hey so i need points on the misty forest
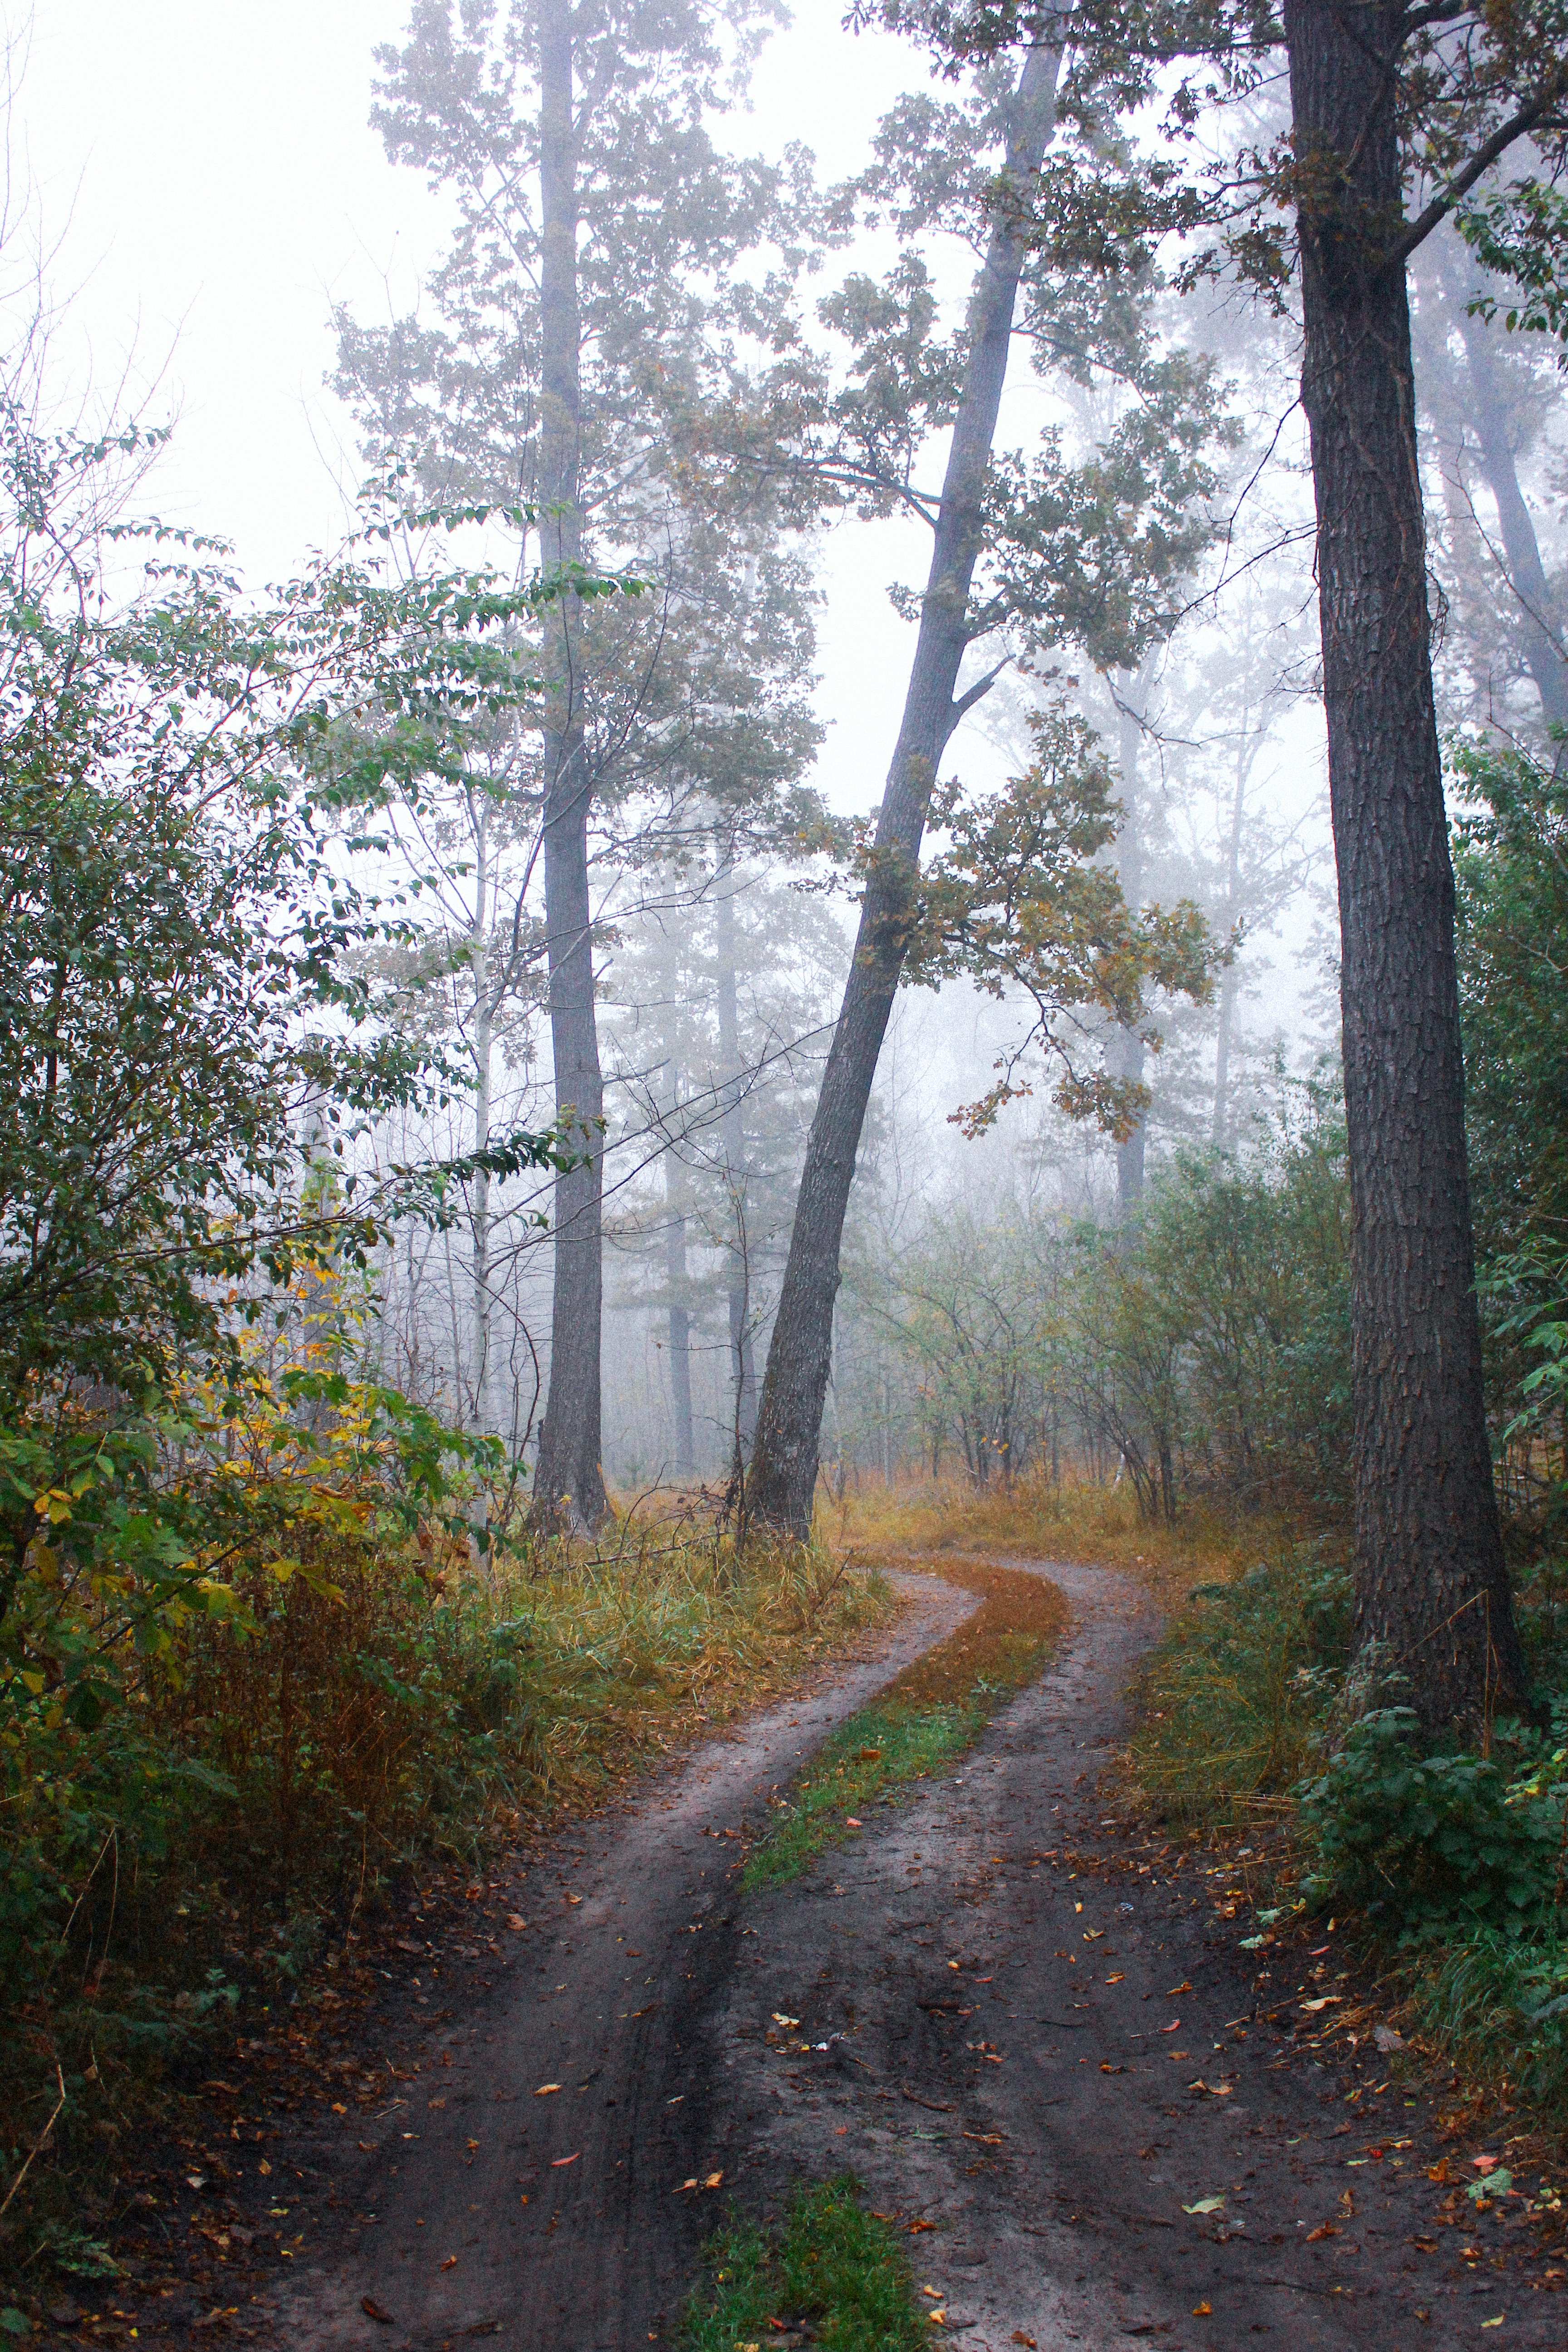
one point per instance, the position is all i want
(784, 1172)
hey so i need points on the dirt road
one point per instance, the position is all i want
(1013, 2025)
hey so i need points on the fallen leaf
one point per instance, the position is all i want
(1322, 2002)
(450, 2263)
(1116, 1978)
(513, 1921)
(780, 2019)
(850, 1822)
(1018, 2337)
(1092, 1934)
(1174, 2027)
(1203, 2311)
(916, 2227)
(1205, 2205)
(1324, 2230)
(373, 2310)
(1171, 1990)
(338, 2108)
(1497, 2322)
(711, 2179)
(557, 2162)
(1106, 2068)
(544, 2090)
(870, 1756)
(686, 2185)
(573, 1898)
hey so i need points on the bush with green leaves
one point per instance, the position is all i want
(1427, 1840)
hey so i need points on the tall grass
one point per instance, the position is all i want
(180, 1865)
(1033, 1519)
(1232, 1701)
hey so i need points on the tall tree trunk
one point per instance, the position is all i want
(569, 1483)
(1431, 1593)
(789, 1423)
(674, 1279)
(1230, 978)
(479, 1220)
(742, 1363)
(1128, 1052)
(1526, 575)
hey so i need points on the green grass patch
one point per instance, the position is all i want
(864, 1761)
(833, 2264)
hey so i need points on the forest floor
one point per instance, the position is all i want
(1015, 2011)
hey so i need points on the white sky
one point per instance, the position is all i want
(210, 184)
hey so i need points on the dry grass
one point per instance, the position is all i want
(1099, 1525)
(261, 1792)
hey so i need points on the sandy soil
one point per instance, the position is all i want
(1013, 2026)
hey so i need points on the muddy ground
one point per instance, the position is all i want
(1027, 2028)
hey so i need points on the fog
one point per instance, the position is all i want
(209, 197)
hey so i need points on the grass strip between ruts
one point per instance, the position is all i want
(933, 1711)
(833, 2264)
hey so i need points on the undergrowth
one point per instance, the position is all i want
(180, 1865)
(833, 2266)
(1036, 1519)
(1448, 1862)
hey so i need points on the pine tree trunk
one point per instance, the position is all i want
(1230, 978)
(743, 1365)
(479, 1228)
(1431, 1593)
(782, 1480)
(569, 1481)
(676, 1286)
(1128, 1054)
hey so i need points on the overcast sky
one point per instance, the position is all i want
(210, 181)
(207, 178)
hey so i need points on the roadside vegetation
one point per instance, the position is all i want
(361, 936)
(274, 1630)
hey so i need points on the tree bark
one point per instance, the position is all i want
(1230, 978)
(1128, 1054)
(1431, 1594)
(783, 1477)
(479, 1227)
(676, 1286)
(569, 1480)
(742, 1363)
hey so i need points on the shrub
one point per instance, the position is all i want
(1429, 1839)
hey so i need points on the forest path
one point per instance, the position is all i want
(999, 1969)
